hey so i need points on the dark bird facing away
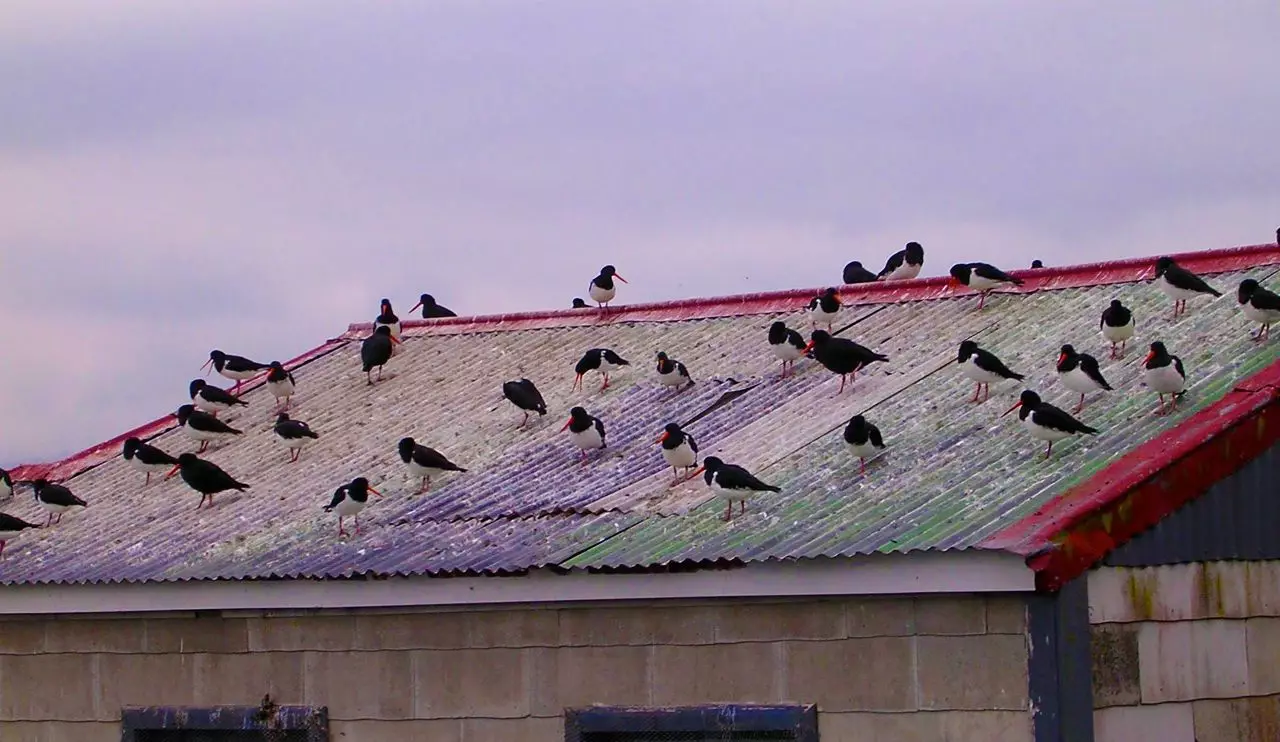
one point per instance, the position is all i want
(424, 461)
(855, 273)
(1036, 264)
(294, 434)
(11, 526)
(203, 427)
(375, 351)
(981, 277)
(578, 303)
(432, 310)
(55, 499)
(146, 458)
(1080, 373)
(349, 500)
(731, 483)
(1180, 284)
(679, 449)
(525, 395)
(983, 367)
(863, 439)
(1117, 326)
(841, 356)
(209, 398)
(1164, 374)
(205, 477)
(602, 289)
(236, 368)
(905, 264)
(1046, 422)
(788, 345)
(603, 360)
(1259, 305)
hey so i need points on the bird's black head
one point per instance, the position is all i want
(853, 264)
(385, 305)
(1157, 350)
(187, 459)
(577, 413)
(960, 272)
(578, 303)
(662, 356)
(283, 417)
(1037, 264)
(857, 422)
(1029, 399)
(820, 337)
(383, 330)
(406, 447)
(778, 326)
(131, 445)
(184, 412)
(1115, 304)
(1245, 292)
(1163, 264)
(1068, 350)
(196, 385)
(672, 428)
(359, 483)
(608, 270)
(828, 293)
(712, 463)
(967, 348)
(915, 253)
(39, 484)
(217, 356)
(276, 366)
(427, 300)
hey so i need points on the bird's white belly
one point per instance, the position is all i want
(1164, 380)
(205, 405)
(296, 443)
(607, 368)
(418, 471)
(203, 435)
(55, 509)
(137, 464)
(682, 456)
(979, 374)
(237, 375)
(1078, 381)
(280, 389)
(602, 295)
(9, 535)
(731, 495)
(1173, 292)
(1118, 334)
(862, 450)
(589, 438)
(672, 378)
(786, 352)
(1041, 432)
(349, 507)
(978, 283)
(823, 317)
(904, 272)
(5, 491)
(1261, 316)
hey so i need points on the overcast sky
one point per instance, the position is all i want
(179, 176)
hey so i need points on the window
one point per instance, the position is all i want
(693, 724)
(266, 723)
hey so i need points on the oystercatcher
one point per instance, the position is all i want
(11, 527)
(585, 431)
(601, 288)
(841, 356)
(578, 303)
(1046, 422)
(55, 499)
(281, 385)
(1180, 284)
(525, 395)
(825, 308)
(146, 458)
(788, 345)
(731, 483)
(1164, 374)
(349, 500)
(855, 273)
(1259, 305)
(432, 310)
(1036, 265)
(679, 449)
(375, 351)
(863, 440)
(294, 434)
(983, 367)
(1117, 325)
(236, 368)
(672, 372)
(1079, 372)
(981, 277)
(203, 427)
(387, 318)
(209, 398)
(6, 484)
(603, 360)
(904, 264)
(205, 477)
(423, 462)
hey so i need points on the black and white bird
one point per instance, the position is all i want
(1117, 326)
(1164, 373)
(679, 449)
(983, 368)
(841, 356)
(424, 462)
(55, 499)
(602, 289)
(208, 398)
(1079, 372)
(205, 477)
(578, 303)
(11, 527)
(982, 277)
(672, 372)
(6, 484)
(375, 351)
(280, 384)
(147, 458)
(1180, 284)
(855, 273)
(432, 310)
(904, 264)
(1037, 265)
(349, 499)
(387, 318)
(731, 483)
(236, 368)
(586, 432)
(825, 308)
(1259, 305)
(294, 434)
(1045, 422)
(525, 395)
(863, 440)
(787, 344)
(603, 360)
(203, 427)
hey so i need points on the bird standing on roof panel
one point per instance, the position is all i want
(672, 372)
(1164, 374)
(203, 427)
(432, 310)
(525, 395)
(825, 308)
(205, 477)
(1079, 372)
(863, 440)
(731, 483)
(1117, 325)
(981, 277)
(601, 289)
(208, 398)
(1046, 422)
(586, 432)
(294, 434)
(788, 345)
(281, 385)
(1036, 265)
(905, 264)
(11, 527)
(855, 273)
(55, 499)
(387, 318)
(6, 484)
(679, 449)
(603, 360)
(376, 350)
(983, 367)
(146, 458)
(578, 303)
(236, 368)
(1259, 305)
(349, 500)
(1180, 284)
(841, 356)
(423, 462)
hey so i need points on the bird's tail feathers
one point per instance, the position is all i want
(771, 488)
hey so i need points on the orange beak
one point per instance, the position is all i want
(620, 278)
(1011, 409)
(1062, 357)
(395, 340)
(699, 471)
(566, 425)
(415, 307)
(207, 364)
(807, 348)
(1150, 355)
(374, 491)
(663, 437)
(173, 471)
(954, 282)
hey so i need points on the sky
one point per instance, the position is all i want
(253, 175)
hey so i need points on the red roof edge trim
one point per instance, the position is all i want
(1068, 535)
(880, 292)
(103, 452)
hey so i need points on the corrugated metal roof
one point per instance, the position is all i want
(954, 472)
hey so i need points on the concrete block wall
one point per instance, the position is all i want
(903, 669)
(1186, 653)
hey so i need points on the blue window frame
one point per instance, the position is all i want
(692, 724)
(266, 723)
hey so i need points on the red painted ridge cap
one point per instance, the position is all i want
(90, 457)
(881, 292)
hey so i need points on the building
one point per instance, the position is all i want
(964, 588)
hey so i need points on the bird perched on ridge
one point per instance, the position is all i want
(423, 462)
(1259, 305)
(55, 499)
(840, 355)
(981, 277)
(578, 303)
(983, 367)
(525, 395)
(1163, 372)
(280, 384)
(672, 372)
(1079, 372)
(855, 273)
(731, 483)
(1117, 326)
(236, 368)
(586, 432)
(11, 526)
(349, 499)
(679, 449)
(375, 351)
(294, 434)
(603, 360)
(1046, 422)
(205, 477)
(203, 427)
(905, 264)
(1180, 284)
(1036, 265)
(824, 308)
(209, 398)
(6, 484)
(863, 440)
(787, 344)
(432, 310)
(387, 318)
(146, 458)
(602, 289)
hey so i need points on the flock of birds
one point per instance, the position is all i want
(1163, 372)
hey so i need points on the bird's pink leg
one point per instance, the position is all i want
(728, 510)
(1049, 450)
(1081, 405)
(1, 550)
(426, 485)
(742, 509)
(524, 421)
(341, 532)
(977, 389)
(842, 378)
(1160, 411)
(982, 299)
(379, 373)
(357, 517)
(148, 479)
(1123, 343)
(48, 522)
(605, 385)
(862, 465)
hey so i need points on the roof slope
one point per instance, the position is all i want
(955, 476)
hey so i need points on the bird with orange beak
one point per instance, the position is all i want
(981, 277)
(349, 499)
(236, 368)
(824, 308)
(586, 432)
(602, 288)
(679, 449)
